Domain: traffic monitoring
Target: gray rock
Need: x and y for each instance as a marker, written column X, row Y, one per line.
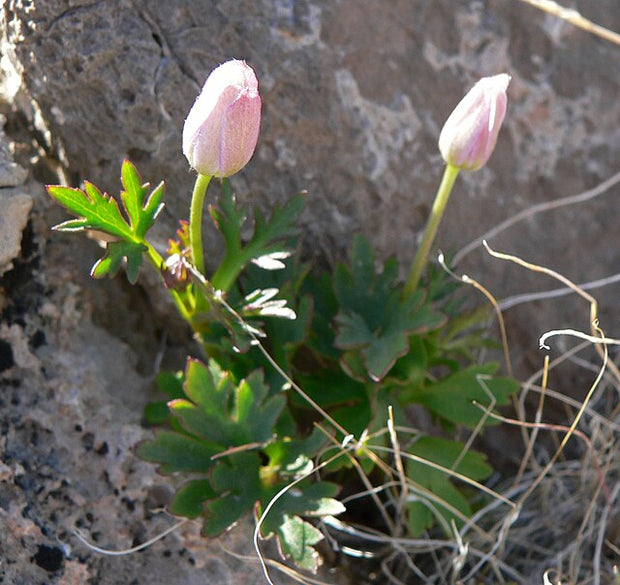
column 354, row 96
column 15, row 207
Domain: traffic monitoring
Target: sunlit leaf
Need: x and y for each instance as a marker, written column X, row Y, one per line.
column 98, row 211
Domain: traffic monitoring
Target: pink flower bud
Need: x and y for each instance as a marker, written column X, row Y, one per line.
column 470, row 132
column 221, row 129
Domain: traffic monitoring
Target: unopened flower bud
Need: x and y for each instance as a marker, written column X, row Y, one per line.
column 470, row 132
column 221, row 130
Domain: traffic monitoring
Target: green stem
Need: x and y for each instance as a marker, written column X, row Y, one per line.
column 195, row 221
column 441, row 199
column 227, row 272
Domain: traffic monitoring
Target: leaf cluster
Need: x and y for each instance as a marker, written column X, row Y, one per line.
column 233, row 427
column 223, row 433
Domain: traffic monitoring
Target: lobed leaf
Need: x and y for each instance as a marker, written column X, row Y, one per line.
column 296, row 539
column 374, row 319
column 217, row 410
column 98, row 211
column 171, row 384
column 113, row 258
column 237, row 481
column 141, row 208
column 296, row 536
column 95, row 210
column 442, row 452
column 268, row 244
column 190, row 498
column 452, row 398
column 178, row 452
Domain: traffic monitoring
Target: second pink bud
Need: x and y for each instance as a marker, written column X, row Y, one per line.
column 469, row 135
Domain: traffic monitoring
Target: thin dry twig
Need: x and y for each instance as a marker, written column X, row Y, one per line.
column 531, row 440
column 498, row 311
column 535, row 209
column 573, row 17
column 133, row 549
column 513, row 301
column 594, row 329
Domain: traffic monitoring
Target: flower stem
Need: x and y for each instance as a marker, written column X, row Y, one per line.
column 439, row 205
column 195, row 221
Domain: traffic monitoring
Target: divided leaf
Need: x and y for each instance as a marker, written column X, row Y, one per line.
column 296, row 540
column 171, row 384
column 296, row 536
column 267, row 246
column 374, row 320
column 176, row 452
column 189, row 500
column 452, row 398
column 236, row 480
column 442, row 452
column 217, row 410
column 141, row 209
column 116, row 252
column 98, row 211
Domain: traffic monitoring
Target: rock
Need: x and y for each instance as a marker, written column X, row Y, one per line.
column 70, row 412
column 15, row 208
column 354, row 96
column 15, row 205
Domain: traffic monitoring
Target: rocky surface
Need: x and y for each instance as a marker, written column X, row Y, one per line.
column 354, row 96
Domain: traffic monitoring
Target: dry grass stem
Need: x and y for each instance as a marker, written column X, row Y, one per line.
column 528, row 213
column 573, row 17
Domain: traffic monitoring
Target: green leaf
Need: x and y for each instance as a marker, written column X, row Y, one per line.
column 307, row 500
column 171, row 384
column 218, row 410
column 283, row 336
column 178, row 452
column 189, row 500
column 297, row 539
column 290, row 454
column 99, row 211
column 442, row 452
column 116, row 252
column 141, row 208
column 156, row 413
column 412, row 368
column 267, row 246
column 296, row 536
column 331, row 387
column 374, row 319
column 95, row 210
column 452, row 398
column 445, row 452
column 321, row 334
column 229, row 218
column 237, row 480
column 345, row 398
